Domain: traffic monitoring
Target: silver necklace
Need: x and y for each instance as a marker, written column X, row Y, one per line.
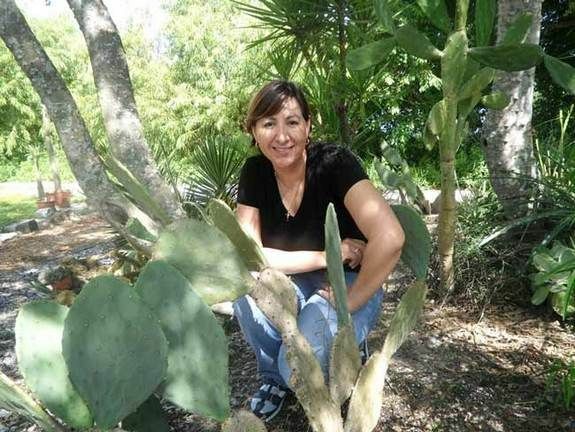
column 291, row 201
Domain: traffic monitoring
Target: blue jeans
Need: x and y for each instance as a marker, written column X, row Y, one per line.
column 317, row 321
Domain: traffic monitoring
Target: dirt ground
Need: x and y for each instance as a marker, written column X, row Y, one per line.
column 455, row 373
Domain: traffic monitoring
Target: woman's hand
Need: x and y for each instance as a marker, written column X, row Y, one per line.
column 352, row 252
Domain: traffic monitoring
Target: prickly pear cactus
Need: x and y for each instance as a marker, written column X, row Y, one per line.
column 243, row 421
column 417, row 246
column 223, row 218
column 275, row 296
column 149, row 417
column 345, row 360
column 39, row 328
column 114, row 349
column 14, row 399
column 344, row 364
column 197, row 375
column 206, row 257
column 366, row 400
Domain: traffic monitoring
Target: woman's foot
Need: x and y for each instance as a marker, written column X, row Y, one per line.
column 267, row 402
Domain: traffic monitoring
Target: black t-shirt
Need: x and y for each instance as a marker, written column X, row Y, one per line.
column 331, row 171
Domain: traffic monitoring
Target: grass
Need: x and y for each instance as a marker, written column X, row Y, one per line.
column 13, row 209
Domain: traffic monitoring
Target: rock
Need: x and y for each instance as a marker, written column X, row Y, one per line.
column 225, row 308
column 6, row 236
column 24, row 227
column 44, row 213
column 460, row 196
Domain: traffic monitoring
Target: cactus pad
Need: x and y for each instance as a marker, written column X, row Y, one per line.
column 39, row 328
column 335, row 266
column 275, row 296
column 243, row 421
column 510, row 58
column 149, row 417
column 416, row 43
column 223, row 218
column 370, row 54
column 417, row 246
column 365, row 404
column 114, row 349
column 205, row 256
column 453, row 63
column 344, row 364
column 14, row 399
column 197, row 375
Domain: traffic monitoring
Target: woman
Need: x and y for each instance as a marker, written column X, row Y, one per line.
column 282, row 202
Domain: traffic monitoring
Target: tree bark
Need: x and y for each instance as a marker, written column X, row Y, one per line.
column 63, row 111
column 507, row 134
column 52, row 159
column 112, row 78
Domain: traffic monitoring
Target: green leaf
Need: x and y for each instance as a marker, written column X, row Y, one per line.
column 149, row 417
column 416, row 43
column 518, row 30
column 370, row 54
column 496, row 101
column 562, row 73
column 509, row 58
column 197, row 374
column 453, row 62
column 335, row 266
column 417, row 247
column 477, row 83
column 540, row 295
column 569, row 294
column 543, row 261
column 436, row 12
column 39, row 328
column 385, row 15
column 389, row 178
column 485, row 13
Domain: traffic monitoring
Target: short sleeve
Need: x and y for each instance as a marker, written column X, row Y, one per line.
column 346, row 171
column 248, row 184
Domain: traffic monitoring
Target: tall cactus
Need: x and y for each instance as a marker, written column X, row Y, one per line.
column 465, row 72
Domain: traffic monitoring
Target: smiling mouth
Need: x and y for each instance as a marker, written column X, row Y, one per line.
column 283, row 149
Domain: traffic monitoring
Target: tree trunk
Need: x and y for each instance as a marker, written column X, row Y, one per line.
column 112, row 78
column 74, row 136
column 507, row 134
column 38, row 173
column 53, row 160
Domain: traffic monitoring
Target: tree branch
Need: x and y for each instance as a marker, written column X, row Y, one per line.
column 121, row 118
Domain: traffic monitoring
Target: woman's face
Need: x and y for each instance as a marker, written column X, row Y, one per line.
column 282, row 137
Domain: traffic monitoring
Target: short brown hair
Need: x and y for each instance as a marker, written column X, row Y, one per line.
column 269, row 100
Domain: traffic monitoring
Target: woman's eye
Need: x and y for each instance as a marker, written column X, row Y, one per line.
column 294, row 123
column 268, row 124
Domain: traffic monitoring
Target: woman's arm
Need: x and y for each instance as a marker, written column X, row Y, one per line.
column 286, row 262
column 385, row 238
